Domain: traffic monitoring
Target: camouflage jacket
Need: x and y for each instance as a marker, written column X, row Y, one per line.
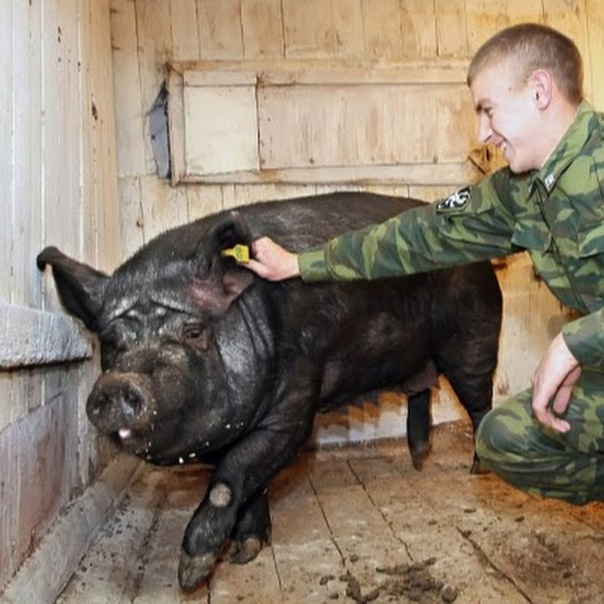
column 555, row 213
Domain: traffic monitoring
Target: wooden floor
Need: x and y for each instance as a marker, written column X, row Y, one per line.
column 360, row 525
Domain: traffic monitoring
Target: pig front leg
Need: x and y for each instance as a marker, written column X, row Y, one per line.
column 252, row 531
column 234, row 505
column 419, row 425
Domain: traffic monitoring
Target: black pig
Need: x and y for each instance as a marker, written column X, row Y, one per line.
column 203, row 360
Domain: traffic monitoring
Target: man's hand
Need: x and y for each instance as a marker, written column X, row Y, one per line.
column 553, row 383
column 271, row 261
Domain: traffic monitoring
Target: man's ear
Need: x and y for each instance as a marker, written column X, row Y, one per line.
column 81, row 288
column 217, row 279
column 542, row 84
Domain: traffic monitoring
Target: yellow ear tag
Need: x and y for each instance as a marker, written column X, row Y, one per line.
column 240, row 252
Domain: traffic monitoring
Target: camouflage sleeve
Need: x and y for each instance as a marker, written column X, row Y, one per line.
column 472, row 224
column 585, row 338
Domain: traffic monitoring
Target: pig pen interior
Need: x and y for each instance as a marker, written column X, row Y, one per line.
column 352, row 520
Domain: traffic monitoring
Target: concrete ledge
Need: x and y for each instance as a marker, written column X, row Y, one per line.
column 33, row 337
column 46, row 572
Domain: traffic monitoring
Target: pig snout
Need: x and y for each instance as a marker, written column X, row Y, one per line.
column 122, row 403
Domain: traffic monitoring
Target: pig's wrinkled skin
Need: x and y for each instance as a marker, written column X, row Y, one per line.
column 205, row 361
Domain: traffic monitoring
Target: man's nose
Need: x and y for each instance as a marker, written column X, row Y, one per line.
column 484, row 129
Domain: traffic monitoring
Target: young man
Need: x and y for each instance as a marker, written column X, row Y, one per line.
column 526, row 85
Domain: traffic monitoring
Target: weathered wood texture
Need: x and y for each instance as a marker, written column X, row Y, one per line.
column 58, row 186
column 359, row 524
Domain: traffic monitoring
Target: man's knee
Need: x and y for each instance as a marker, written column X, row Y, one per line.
column 499, row 436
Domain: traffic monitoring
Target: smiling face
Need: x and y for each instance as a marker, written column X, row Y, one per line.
column 508, row 115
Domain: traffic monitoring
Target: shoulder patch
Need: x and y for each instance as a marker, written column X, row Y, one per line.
column 457, row 201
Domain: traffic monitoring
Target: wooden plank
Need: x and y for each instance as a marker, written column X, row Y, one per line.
column 524, row 11
column 203, row 200
column 262, row 29
column 154, row 49
column 571, row 19
column 451, row 34
column 223, row 136
column 361, row 120
column 382, row 28
column 308, row 29
column 345, row 71
column 418, row 30
column 348, row 24
column 20, row 258
column 454, row 174
column 132, row 223
column 129, row 115
column 219, row 23
column 6, row 121
column 484, row 18
column 102, row 245
column 166, row 211
column 184, row 30
column 35, row 207
column 595, row 59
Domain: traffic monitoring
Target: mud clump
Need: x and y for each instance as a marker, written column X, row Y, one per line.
column 402, row 582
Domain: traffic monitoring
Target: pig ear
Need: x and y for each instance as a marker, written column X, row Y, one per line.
column 80, row 287
column 218, row 279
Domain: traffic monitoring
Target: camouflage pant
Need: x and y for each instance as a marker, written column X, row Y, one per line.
column 512, row 444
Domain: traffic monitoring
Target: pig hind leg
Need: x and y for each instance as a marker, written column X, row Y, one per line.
column 469, row 365
column 419, row 423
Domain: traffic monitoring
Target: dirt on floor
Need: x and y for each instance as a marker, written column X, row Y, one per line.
column 359, row 524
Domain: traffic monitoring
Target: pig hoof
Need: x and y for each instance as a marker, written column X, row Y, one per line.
column 244, row 551
column 194, row 570
column 419, row 455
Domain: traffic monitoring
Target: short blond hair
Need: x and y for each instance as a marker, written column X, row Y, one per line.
column 532, row 46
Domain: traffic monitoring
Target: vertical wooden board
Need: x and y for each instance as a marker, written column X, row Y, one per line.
column 595, row 59
column 129, row 115
column 382, row 28
column 451, row 33
column 570, row 17
column 418, row 29
column 54, row 210
column 154, row 50
column 308, row 29
column 21, row 261
column 35, row 203
column 163, row 207
column 132, row 219
column 99, row 120
column 219, row 24
column 262, row 29
column 524, row 11
column 203, row 200
column 68, row 164
column 90, row 209
column 9, row 493
column 183, row 23
column 484, row 18
column 348, row 25
column 6, row 120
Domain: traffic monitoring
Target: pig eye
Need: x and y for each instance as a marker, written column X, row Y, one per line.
column 197, row 335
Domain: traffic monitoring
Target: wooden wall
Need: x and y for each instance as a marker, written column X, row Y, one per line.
column 147, row 34
column 58, row 186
